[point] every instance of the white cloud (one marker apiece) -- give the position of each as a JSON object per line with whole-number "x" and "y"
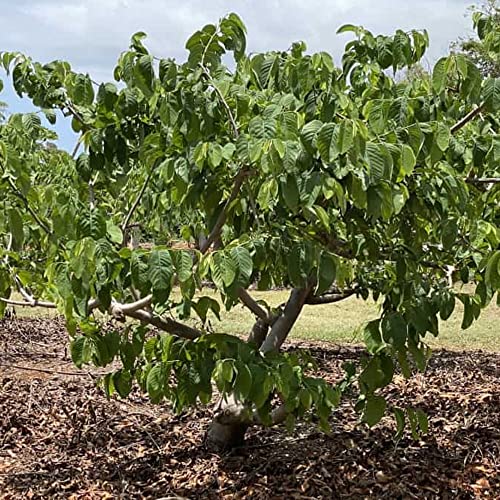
{"x": 92, "y": 33}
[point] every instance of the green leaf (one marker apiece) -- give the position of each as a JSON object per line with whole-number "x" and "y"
{"x": 376, "y": 163}
{"x": 308, "y": 135}
{"x": 439, "y": 75}
{"x": 114, "y": 232}
{"x": 122, "y": 381}
{"x": 262, "y": 128}
{"x": 374, "y": 409}
{"x": 144, "y": 74}
{"x": 400, "y": 421}
{"x": 160, "y": 270}
{"x": 227, "y": 370}
{"x": 136, "y": 42}
{"x": 16, "y": 229}
{"x": 155, "y": 383}
{"x": 492, "y": 273}
{"x": 31, "y": 122}
{"x": 243, "y": 382}
{"x": 322, "y": 216}
{"x": 395, "y": 330}
{"x": 81, "y": 350}
{"x": 205, "y": 304}
{"x": 412, "y": 418}
{"x": 345, "y": 136}
{"x": 50, "y": 114}
{"x": 296, "y": 264}
{"x": 373, "y": 337}
{"x": 268, "y": 193}
{"x": 83, "y": 91}
{"x": 347, "y": 28}
{"x": 183, "y": 265}
{"x": 449, "y": 234}
{"x": 327, "y": 141}
{"x": 468, "y": 317}
{"x": 491, "y": 94}
{"x": 290, "y": 192}
{"x": 326, "y": 272}
{"x": 223, "y": 269}
{"x": 241, "y": 256}
{"x": 446, "y": 306}
{"x": 215, "y": 155}
{"x": 422, "y": 420}
{"x": 408, "y": 160}
{"x": 442, "y": 136}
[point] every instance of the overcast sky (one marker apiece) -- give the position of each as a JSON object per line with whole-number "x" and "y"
{"x": 90, "y": 34}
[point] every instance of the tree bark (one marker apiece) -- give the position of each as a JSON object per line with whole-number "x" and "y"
{"x": 229, "y": 425}
{"x": 231, "y": 419}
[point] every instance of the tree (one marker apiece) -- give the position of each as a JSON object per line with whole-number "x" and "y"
{"x": 485, "y": 49}
{"x": 331, "y": 181}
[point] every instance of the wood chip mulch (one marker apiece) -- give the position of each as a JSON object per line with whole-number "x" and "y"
{"x": 61, "y": 438}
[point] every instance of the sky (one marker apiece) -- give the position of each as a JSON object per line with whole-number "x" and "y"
{"x": 91, "y": 34}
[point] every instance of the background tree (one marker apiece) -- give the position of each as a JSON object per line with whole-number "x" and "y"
{"x": 330, "y": 181}
{"x": 484, "y": 50}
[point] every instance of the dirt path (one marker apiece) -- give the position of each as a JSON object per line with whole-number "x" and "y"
{"x": 61, "y": 438}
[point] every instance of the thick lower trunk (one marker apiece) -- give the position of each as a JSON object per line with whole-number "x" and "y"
{"x": 231, "y": 419}
{"x": 229, "y": 425}
{"x": 226, "y": 436}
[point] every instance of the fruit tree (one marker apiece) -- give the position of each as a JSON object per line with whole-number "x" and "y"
{"x": 277, "y": 169}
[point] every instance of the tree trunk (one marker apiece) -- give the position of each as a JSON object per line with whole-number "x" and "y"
{"x": 229, "y": 425}
{"x": 231, "y": 419}
{"x": 226, "y": 436}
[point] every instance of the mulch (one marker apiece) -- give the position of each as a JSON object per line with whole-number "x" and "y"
{"x": 61, "y": 438}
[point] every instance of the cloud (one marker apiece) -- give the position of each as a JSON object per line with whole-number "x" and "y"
{"x": 91, "y": 34}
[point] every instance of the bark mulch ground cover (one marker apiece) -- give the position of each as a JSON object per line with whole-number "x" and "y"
{"x": 61, "y": 438}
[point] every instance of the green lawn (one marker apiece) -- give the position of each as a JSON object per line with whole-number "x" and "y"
{"x": 341, "y": 322}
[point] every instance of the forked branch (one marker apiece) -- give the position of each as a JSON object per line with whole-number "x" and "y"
{"x": 282, "y": 326}
{"x": 251, "y": 304}
{"x": 134, "y": 206}
{"x": 216, "y": 230}
{"x": 232, "y": 120}
{"x": 466, "y": 119}
{"x": 329, "y": 298}
{"x": 28, "y": 207}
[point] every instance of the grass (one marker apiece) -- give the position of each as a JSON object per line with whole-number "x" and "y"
{"x": 342, "y": 322}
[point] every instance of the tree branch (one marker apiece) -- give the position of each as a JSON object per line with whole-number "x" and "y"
{"x": 135, "y": 306}
{"x": 249, "y": 302}
{"x": 30, "y": 210}
{"x": 259, "y": 332}
{"x": 74, "y": 112}
{"x": 34, "y": 303}
{"x": 282, "y": 326}
{"x": 330, "y": 298}
{"x": 126, "y": 221}
{"x": 166, "y": 324}
{"x": 339, "y": 247}
{"x": 223, "y": 101}
{"x": 483, "y": 180}
{"x": 76, "y": 148}
{"x": 466, "y": 119}
{"x": 215, "y": 233}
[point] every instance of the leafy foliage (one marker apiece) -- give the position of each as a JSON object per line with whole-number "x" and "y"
{"x": 286, "y": 171}
{"x": 484, "y": 49}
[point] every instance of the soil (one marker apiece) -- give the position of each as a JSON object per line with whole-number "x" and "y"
{"x": 61, "y": 438}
